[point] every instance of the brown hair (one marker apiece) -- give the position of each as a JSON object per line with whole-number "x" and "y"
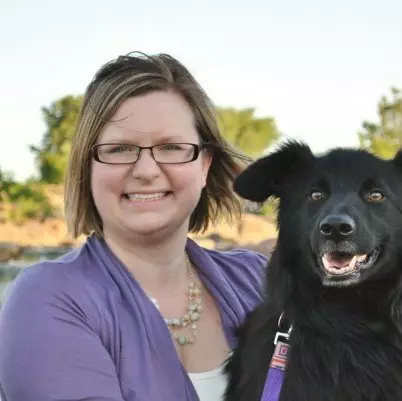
{"x": 133, "y": 75}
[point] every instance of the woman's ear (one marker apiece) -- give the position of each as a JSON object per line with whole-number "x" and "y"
{"x": 206, "y": 160}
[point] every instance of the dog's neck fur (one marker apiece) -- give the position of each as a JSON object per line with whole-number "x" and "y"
{"x": 363, "y": 320}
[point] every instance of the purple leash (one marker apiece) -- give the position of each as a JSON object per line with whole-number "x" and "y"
{"x": 276, "y": 372}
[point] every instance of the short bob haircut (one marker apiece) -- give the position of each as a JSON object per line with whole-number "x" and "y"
{"x": 136, "y": 74}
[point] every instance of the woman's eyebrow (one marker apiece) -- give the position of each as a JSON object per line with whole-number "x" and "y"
{"x": 122, "y": 134}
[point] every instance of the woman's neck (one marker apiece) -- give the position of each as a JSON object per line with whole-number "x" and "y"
{"x": 158, "y": 266}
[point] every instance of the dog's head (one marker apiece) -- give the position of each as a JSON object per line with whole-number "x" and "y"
{"x": 340, "y": 214}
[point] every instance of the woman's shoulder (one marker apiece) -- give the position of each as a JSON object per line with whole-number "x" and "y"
{"x": 241, "y": 263}
{"x": 239, "y": 258}
{"x": 241, "y": 268}
{"x": 51, "y": 273}
{"x": 62, "y": 282}
{"x": 243, "y": 256}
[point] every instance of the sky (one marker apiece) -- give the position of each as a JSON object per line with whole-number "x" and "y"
{"x": 319, "y": 68}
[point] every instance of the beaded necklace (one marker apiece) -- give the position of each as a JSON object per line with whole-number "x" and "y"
{"x": 193, "y": 314}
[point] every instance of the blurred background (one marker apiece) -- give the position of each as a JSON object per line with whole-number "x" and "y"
{"x": 329, "y": 73}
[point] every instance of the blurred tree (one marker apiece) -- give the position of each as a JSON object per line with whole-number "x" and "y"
{"x": 252, "y": 135}
{"x": 52, "y": 154}
{"x": 384, "y": 138}
{"x": 247, "y": 132}
{"x": 21, "y": 201}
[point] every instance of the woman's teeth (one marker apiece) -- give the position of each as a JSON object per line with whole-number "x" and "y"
{"x": 144, "y": 197}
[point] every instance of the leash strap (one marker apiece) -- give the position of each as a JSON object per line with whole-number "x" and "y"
{"x": 275, "y": 376}
{"x": 276, "y": 371}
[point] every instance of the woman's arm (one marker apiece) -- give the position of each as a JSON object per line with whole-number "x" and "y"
{"x": 48, "y": 348}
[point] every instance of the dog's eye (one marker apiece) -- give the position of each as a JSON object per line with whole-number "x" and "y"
{"x": 375, "y": 196}
{"x": 316, "y": 195}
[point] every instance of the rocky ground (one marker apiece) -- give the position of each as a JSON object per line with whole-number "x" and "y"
{"x": 255, "y": 232}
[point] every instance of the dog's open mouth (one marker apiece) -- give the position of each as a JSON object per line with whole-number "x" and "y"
{"x": 342, "y": 263}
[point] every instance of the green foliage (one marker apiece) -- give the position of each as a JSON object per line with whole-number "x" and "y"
{"x": 252, "y": 135}
{"x": 52, "y": 154}
{"x": 248, "y": 133}
{"x": 29, "y": 208}
{"x": 22, "y": 201}
{"x": 384, "y": 138}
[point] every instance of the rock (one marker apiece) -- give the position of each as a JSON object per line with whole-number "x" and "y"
{"x": 51, "y": 232}
{"x": 10, "y": 251}
{"x": 265, "y": 247}
{"x": 45, "y": 252}
{"x": 221, "y": 243}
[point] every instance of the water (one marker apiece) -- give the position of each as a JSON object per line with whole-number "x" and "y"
{"x": 3, "y": 287}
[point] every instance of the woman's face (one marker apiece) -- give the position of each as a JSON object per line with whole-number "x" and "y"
{"x": 147, "y": 197}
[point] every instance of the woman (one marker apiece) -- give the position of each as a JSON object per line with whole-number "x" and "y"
{"x": 140, "y": 312}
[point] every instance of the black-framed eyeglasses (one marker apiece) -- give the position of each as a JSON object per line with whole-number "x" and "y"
{"x": 165, "y": 153}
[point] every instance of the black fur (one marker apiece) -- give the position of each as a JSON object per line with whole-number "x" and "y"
{"x": 346, "y": 343}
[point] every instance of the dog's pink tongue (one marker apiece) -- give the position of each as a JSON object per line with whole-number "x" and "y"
{"x": 338, "y": 260}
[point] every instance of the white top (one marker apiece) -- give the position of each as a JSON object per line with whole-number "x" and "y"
{"x": 211, "y": 385}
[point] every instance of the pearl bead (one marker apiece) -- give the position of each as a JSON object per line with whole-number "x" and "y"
{"x": 182, "y": 340}
{"x": 195, "y": 316}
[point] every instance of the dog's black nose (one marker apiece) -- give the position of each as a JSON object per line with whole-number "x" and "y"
{"x": 337, "y": 225}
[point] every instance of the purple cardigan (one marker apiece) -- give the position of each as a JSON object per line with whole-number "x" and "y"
{"x": 80, "y": 328}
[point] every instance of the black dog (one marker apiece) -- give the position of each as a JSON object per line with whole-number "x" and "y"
{"x": 335, "y": 275}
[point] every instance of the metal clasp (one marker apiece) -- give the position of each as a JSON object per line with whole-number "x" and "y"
{"x": 281, "y": 334}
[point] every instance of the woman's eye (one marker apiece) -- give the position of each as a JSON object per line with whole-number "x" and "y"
{"x": 121, "y": 149}
{"x": 316, "y": 195}
{"x": 375, "y": 196}
{"x": 170, "y": 147}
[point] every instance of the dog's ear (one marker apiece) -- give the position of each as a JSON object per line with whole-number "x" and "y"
{"x": 270, "y": 174}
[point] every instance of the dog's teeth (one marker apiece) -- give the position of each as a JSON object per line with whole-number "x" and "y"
{"x": 334, "y": 268}
{"x": 361, "y": 258}
{"x": 352, "y": 263}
